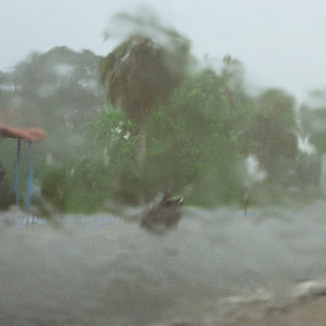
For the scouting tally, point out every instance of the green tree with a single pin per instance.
(193, 143)
(4, 94)
(313, 127)
(58, 88)
(272, 132)
(141, 73)
(204, 143)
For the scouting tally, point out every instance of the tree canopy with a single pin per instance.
(142, 72)
(272, 132)
(201, 123)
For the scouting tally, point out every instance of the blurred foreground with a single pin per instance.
(217, 268)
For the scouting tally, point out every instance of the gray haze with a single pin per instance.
(281, 42)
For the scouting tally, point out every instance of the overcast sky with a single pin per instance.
(280, 42)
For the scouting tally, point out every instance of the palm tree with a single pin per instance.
(274, 129)
(140, 74)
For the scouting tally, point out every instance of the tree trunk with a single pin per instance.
(141, 147)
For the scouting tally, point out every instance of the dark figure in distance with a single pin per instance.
(163, 215)
(246, 201)
(7, 196)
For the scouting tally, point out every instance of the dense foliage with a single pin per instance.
(272, 133)
(193, 145)
(58, 91)
(200, 125)
(142, 72)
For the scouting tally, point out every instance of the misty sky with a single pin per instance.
(280, 42)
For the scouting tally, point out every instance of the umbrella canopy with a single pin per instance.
(29, 134)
